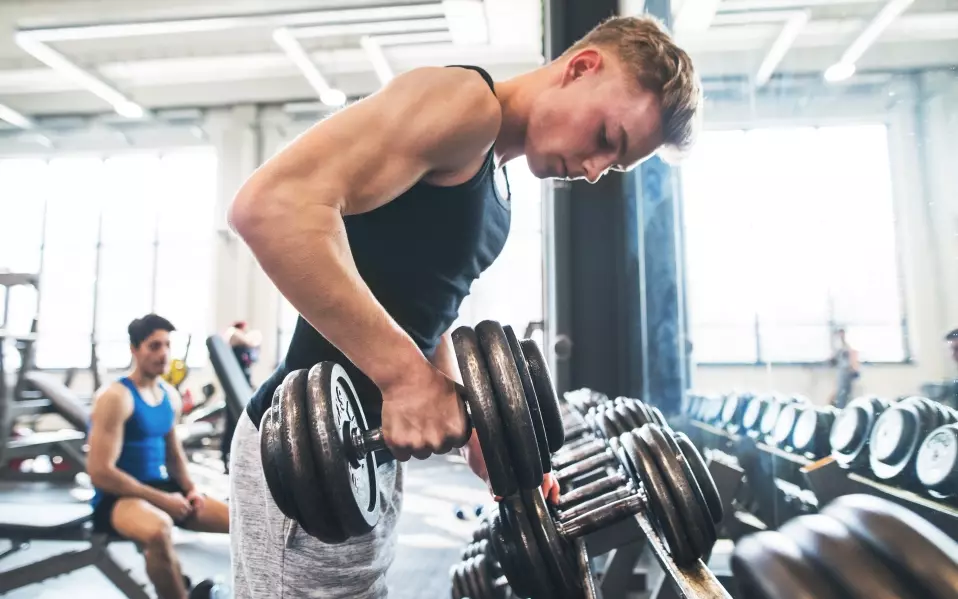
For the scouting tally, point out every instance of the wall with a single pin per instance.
(922, 116)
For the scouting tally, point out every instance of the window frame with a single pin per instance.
(155, 243)
(870, 115)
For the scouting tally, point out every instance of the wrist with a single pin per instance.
(398, 367)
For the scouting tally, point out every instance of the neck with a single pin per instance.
(516, 97)
(140, 379)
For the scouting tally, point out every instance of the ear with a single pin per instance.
(584, 62)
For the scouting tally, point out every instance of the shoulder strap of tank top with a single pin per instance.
(126, 382)
(482, 72)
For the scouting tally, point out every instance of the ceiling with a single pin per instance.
(103, 56)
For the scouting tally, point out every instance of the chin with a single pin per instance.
(538, 168)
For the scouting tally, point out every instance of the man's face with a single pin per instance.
(152, 355)
(595, 119)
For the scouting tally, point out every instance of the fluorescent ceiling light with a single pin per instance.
(378, 59)
(845, 66)
(60, 63)
(786, 37)
(294, 50)
(407, 26)
(15, 118)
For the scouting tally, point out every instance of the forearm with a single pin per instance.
(117, 482)
(176, 467)
(305, 251)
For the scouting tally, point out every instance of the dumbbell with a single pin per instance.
(810, 434)
(781, 435)
(317, 449)
(733, 411)
(897, 435)
(479, 577)
(767, 424)
(857, 547)
(937, 462)
(850, 434)
(754, 412)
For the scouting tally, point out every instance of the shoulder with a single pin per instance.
(457, 106)
(113, 398)
(175, 398)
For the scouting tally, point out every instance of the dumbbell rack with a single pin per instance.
(827, 480)
(624, 544)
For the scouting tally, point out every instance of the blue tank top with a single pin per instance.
(143, 455)
(419, 255)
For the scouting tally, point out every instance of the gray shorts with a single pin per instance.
(273, 557)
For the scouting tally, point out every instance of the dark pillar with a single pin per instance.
(615, 288)
(593, 295)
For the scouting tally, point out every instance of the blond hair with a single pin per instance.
(660, 66)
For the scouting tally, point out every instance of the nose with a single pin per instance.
(595, 168)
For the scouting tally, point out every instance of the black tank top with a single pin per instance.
(419, 254)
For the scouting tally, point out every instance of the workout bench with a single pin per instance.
(79, 528)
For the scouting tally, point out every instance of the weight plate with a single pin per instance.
(527, 550)
(627, 418)
(667, 518)
(472, 577)
(334, 412)
(729, 408)
(894, 441)
(315, 513)
(806, 424)
(698, 525)
(754, 412)
(282, 459)
(937, 461)
(484, 411)
(703, 477)
(770, 419)
(639, 414)
(850, 429)
(270, 448)
(520, 432)
(606, 427)
(658, 417)
(831, 547)
(556, 553)
(506, 553)
(545, 393)
(782, 434)
(531, 400)
(907, 542)
(769, 565)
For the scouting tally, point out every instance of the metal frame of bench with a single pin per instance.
(78, 529)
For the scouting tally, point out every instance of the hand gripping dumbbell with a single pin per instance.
(857, 547)
(317, 450)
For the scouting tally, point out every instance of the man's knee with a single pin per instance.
(160, 537)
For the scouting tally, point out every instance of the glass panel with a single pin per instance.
(724, 344)
(184, 286)
(131, 189)
(795, 343)
(125, 288)
(66, 307)
(189, 194)
(23, 193)
(73, 209)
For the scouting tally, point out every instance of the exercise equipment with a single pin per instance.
(852, 429)
(811, 430)
(318, 452)
(937, 462)
(897, 435)
(858, 547)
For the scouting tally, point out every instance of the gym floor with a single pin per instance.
(431, 537)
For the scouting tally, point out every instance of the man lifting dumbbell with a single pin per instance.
(375, 223)
(138, 466)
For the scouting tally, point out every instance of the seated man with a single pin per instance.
(138, 466)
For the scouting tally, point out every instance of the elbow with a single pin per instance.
(99, 475)
(245, 215)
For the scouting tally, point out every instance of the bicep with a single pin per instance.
(372, 151)
(106, 430)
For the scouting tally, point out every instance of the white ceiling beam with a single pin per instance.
(412, 39)
(291, 46)
(371, 28)
(268, 20)
(377, 58)
(60, 63)
(790, 31)
(845, 67)
(695, 15)
(732, 6)
(15, 118)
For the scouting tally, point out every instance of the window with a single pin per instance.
(790, 233)
(113, 238)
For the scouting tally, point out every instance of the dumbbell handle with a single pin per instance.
(587, 465)
(362, 443)
(592, 489)
(567, 458)
(601, 518)
(592, 504)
